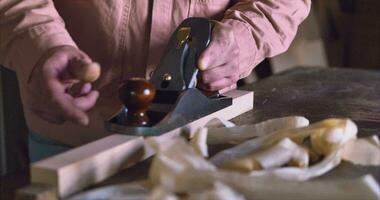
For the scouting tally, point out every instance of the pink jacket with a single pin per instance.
(128, 38)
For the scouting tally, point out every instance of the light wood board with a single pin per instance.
(81, 167)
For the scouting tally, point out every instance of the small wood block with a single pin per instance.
(76, 169)
(37, 192)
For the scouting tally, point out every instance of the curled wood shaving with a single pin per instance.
(275, 156)
(179, 175)
(199, 142)
(278, 159)
(239, 134)
(363, 151)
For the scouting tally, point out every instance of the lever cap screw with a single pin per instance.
(167, 77)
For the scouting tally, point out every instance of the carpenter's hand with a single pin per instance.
(50, 86)
(219, 63)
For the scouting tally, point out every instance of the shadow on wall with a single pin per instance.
(351, 32)
(337, 33)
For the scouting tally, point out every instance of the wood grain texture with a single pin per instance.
(88, 164)
(321, 93)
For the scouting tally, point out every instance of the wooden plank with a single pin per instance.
(88, 164)
(76, 169)
(242, 102)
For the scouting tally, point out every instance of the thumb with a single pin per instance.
(203, 61)
(212, 56)
(84, 70)
(207, 59)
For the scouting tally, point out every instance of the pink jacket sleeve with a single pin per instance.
(28, 28)
(264, 28)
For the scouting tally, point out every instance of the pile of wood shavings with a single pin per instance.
(275, 159)
(283, 154)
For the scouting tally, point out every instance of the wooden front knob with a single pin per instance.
(136, 95)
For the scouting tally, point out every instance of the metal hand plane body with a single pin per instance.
(177, 101)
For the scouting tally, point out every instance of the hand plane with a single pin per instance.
(170, 99)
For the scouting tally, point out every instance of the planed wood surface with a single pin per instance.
(76, 169)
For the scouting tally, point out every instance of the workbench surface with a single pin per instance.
(319, 93)
(316, 93)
